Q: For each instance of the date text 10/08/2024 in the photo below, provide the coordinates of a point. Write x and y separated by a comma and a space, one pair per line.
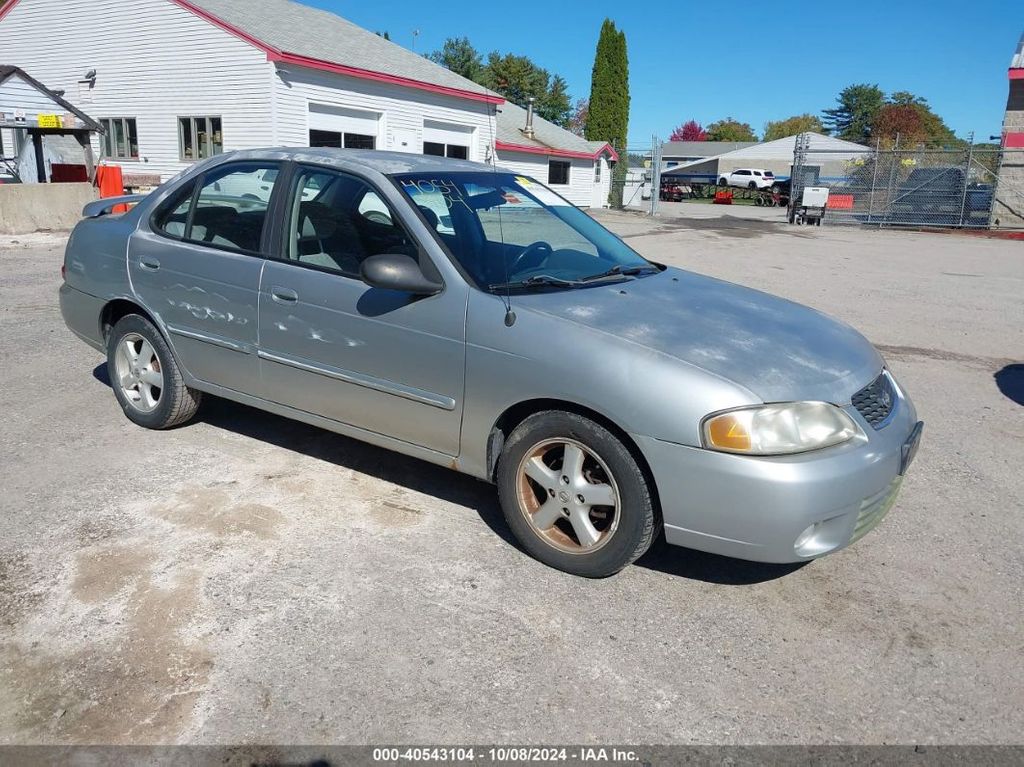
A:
499, 754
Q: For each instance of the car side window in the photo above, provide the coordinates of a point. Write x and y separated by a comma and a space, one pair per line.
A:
173, 220
229, 211
337, 221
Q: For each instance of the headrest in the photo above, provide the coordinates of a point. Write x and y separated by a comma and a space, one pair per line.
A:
430, 216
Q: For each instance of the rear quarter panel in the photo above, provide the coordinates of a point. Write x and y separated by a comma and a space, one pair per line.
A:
96, 256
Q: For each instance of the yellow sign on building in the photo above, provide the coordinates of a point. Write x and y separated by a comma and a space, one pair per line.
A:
50, 121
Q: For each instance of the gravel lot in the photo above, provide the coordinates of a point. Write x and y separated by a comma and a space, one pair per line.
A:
250, 579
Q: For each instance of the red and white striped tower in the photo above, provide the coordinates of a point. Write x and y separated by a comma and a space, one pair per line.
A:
1010, 197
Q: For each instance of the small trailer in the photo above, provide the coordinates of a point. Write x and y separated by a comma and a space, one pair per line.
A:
811, 208
676, 187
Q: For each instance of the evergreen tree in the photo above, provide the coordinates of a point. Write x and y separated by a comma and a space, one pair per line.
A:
555, 106
459, 55
858, 105
608, 118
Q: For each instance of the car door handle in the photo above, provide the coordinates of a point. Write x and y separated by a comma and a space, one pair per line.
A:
149, 263
283, 295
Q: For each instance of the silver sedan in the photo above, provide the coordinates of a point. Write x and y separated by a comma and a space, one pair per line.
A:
471, 317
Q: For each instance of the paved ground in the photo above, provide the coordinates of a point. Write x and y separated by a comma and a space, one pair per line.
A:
251, 579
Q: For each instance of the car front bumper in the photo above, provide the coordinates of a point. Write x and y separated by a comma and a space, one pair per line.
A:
782, 508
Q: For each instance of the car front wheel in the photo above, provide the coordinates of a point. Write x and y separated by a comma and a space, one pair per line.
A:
574, 496
145, 378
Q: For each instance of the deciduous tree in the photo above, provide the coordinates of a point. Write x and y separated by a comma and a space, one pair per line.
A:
730, 130
791, 126
691, 130
578, 118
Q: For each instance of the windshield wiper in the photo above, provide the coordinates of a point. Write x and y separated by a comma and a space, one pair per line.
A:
622, 271
539, 280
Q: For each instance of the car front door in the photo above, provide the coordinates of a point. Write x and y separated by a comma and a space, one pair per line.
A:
387, 362
196, 266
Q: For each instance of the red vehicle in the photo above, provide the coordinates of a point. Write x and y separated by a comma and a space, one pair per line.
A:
673, 191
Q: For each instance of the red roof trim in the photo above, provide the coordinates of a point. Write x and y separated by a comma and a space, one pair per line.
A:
276, 55
505, 146
381, 77
4, 10
1015, 74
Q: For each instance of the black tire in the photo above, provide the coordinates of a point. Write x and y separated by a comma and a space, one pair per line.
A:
637, 515
176, 403
752, 185
723, 181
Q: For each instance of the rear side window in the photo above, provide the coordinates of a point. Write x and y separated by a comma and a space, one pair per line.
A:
228, 212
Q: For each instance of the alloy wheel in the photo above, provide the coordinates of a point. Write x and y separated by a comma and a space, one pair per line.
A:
138, 373
568, 495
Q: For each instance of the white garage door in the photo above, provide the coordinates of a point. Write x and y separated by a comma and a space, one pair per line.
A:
447, 139
333, 126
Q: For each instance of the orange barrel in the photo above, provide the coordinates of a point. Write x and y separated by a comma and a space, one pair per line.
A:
110, 180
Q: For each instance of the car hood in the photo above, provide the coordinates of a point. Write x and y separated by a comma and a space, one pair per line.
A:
776, 349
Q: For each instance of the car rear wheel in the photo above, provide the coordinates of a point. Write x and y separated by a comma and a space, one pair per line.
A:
574, 496
752, 185
723, 181
145, 378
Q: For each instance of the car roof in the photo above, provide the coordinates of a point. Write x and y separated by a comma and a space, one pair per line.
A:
388, 163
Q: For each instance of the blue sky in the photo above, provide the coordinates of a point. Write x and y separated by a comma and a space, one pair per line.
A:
711, 59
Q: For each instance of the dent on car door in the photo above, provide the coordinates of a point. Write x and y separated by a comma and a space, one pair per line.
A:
379, 360
196, 266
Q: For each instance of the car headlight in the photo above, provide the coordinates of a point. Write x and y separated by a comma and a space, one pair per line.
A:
788, 427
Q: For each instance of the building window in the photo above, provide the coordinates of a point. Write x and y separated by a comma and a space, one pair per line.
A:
338, 140
436, 149
558, 172
199, 137
597, 170
121, 140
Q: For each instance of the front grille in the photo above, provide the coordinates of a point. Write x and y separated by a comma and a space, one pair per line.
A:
874, 509
875, 401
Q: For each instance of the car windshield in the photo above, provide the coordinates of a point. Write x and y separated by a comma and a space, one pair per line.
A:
510, 231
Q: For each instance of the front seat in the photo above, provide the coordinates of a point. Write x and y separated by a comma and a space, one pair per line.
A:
328, 239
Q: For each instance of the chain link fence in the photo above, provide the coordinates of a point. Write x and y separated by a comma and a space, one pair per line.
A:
636, 177
973, 187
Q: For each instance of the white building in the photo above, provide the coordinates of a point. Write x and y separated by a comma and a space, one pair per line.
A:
174, 81
828, 155
579, 169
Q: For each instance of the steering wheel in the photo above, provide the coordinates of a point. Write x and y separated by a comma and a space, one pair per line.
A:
536, 252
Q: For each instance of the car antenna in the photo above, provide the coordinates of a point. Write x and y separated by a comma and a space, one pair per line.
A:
492, 116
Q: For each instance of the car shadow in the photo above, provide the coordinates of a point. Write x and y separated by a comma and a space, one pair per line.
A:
711, 568
1010, 381
439, 482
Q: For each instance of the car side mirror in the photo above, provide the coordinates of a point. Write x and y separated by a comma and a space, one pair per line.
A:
393, 271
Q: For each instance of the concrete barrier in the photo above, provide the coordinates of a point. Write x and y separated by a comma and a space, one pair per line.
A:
28, 208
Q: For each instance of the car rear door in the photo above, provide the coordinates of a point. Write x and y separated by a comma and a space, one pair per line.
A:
387, 362
196, 266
